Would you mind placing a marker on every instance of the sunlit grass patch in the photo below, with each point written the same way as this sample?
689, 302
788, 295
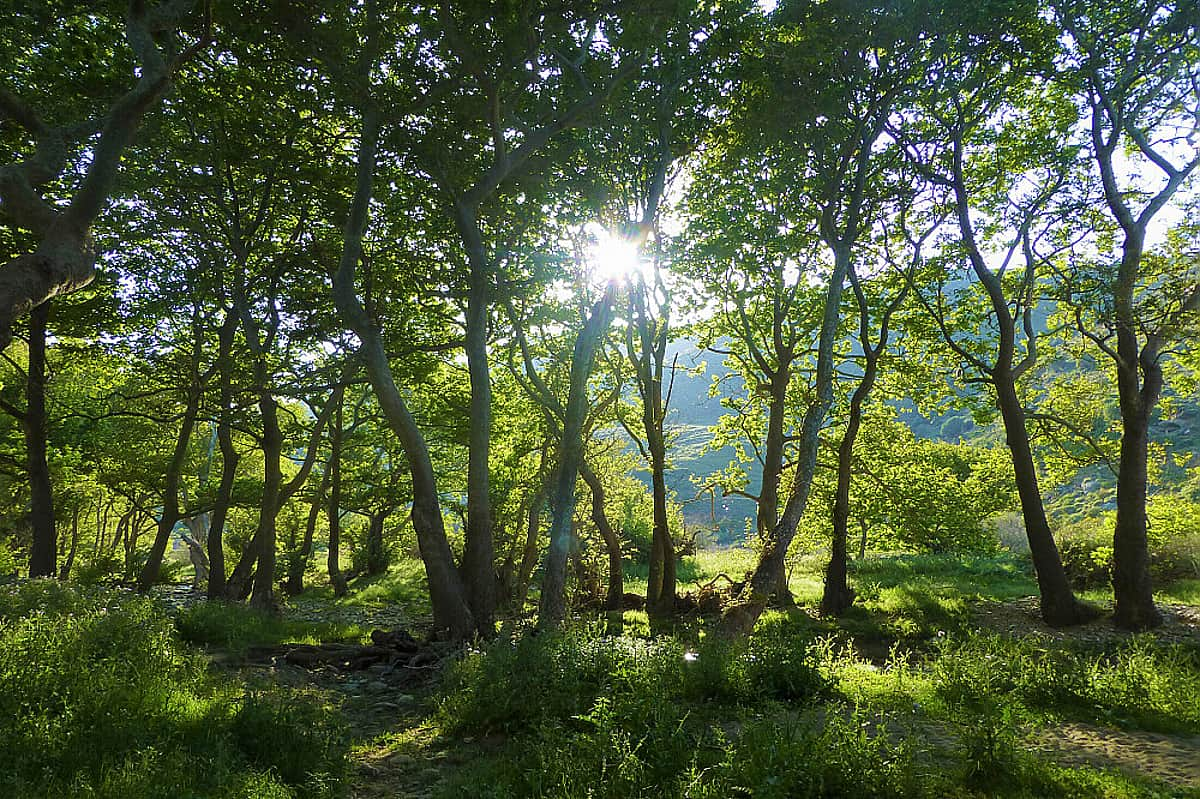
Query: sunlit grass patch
236, 628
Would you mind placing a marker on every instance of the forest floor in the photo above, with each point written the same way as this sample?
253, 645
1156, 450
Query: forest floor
909, 607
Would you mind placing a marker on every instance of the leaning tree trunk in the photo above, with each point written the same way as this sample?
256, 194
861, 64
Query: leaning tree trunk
65, 257
529, 553
299, 562
65, 572
1058, 603
448, 596
838, 596
740, 618
43, 554
1059, 606
169, 515
612, 543
570, 461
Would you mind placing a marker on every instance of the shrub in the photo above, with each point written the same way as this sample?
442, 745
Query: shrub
8, 563
236, 627
838, 756
1173, 530
292, 737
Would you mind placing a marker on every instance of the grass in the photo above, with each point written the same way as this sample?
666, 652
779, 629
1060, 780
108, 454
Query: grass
905, 699
403, 585
100, 698
235, 628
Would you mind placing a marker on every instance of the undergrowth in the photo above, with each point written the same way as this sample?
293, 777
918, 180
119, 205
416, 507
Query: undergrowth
99, 698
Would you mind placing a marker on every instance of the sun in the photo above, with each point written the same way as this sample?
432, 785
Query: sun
612, 258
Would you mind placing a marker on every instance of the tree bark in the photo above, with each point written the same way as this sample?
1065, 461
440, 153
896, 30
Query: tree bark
334, 508
299, 562
553, 604
529, 554
229, 460
838, 596
43, 554
1059, 606
448, 596
65, 572
612, 543
377, 559
740, 619
263, 594
478, 566
169, 516
65, 257
1139, 385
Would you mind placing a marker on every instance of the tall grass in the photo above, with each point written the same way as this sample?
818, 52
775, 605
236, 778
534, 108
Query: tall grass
99, 698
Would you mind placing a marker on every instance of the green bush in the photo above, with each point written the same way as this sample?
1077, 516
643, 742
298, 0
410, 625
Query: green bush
292, 737
1173, 531
8, 563
840, 756
105, 568
236, 627
98, 698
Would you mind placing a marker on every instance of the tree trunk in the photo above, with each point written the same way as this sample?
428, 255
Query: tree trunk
612, 543
448, 596
478, 566
740, 619
660, 592
197, 542
570, 461
1059, 606
529, 555
838, 596
1132, 587
377, 559
1058, 603
229, 461
65, 257
334, 509
263, 595
43, 554
768, 496
170, 515
299, 562
65, 572
1139, 385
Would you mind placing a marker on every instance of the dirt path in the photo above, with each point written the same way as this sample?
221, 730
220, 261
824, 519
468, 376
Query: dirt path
1173, 759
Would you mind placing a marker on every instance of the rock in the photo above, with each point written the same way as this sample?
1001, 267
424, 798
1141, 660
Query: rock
378, 686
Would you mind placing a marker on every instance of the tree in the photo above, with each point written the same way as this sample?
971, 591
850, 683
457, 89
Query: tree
1134, 69
64, 256
832, 75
